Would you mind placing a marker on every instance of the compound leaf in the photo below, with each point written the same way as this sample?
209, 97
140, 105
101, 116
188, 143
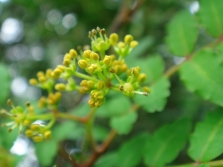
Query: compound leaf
166, 143
202, 75
205, 141
182, 34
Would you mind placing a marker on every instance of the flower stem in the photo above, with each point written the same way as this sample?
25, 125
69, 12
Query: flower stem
80, 75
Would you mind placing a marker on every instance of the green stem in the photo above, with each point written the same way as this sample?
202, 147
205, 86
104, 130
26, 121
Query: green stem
217, 163
115, 88
102, 52
88, 127
80, 75
101, 76
72, 117
50, 124
42, 116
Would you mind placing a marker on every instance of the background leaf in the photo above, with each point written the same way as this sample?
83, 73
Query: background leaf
210, 14
5, 85
130, 153
117, 105
203, 75
123, 124
45, 151
108, 160
182, 34
166, 143
156, 100
67, 130
153, 67
204, 143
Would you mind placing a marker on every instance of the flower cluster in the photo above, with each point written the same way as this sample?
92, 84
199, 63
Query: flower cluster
25, 119
97, 69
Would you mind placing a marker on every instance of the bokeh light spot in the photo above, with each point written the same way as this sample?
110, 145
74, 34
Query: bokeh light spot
11, 31
69, 21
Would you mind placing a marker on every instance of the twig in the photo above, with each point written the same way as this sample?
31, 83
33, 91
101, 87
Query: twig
124, 14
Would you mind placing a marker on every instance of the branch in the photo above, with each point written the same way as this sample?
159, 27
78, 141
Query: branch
125, 13
100, 150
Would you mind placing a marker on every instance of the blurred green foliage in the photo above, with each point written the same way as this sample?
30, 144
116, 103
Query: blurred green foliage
44, 39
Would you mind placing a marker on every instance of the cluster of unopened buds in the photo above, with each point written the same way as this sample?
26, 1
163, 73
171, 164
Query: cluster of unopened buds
24, 119
99, 72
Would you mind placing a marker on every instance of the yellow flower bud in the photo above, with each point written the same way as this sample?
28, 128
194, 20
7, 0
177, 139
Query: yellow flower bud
141, 77
42, 102
56, 73
67, 56
91, 103
113, 39
94, 56
57, 96
107, 60
61, 68
83, 64
40, 74
73, 53
33, 81
29, 133
38, 138
101, 85
60, 87
35, 127
42, 79
87, 54
121, 44
26, 122
146, 89
84, 83
47, 134
98, 103
128, 39
66, 62
133, 44
48, 73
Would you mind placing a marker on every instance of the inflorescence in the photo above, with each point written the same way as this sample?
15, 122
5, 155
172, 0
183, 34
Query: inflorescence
99, 73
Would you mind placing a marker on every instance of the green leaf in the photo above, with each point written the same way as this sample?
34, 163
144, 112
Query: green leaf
82, 110
100, 132
67, 130
202, 75
7, 138
153, 67
45, 151
182, 34
123, 124
210, 14
203, 165
108, 160
205, 143
5, 83
156, 100
164, 146
131, 152
117, 105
